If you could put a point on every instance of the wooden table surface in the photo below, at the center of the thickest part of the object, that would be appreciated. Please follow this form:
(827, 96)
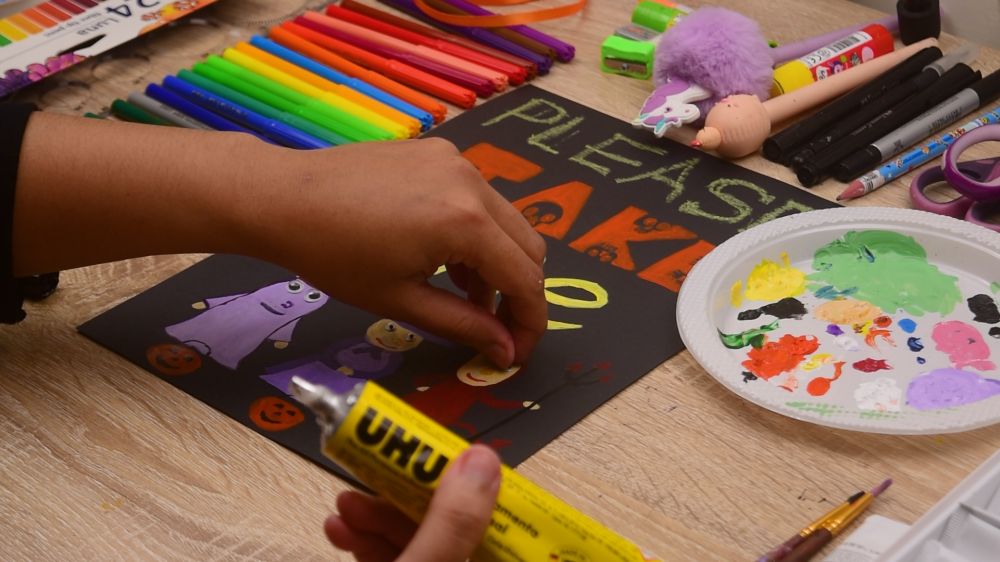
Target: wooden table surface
(100, 460)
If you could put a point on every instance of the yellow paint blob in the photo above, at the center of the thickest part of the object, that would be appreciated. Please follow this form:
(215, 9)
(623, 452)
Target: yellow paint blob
(816, 360)
(770, 281)
(847, 311)
(736, 294)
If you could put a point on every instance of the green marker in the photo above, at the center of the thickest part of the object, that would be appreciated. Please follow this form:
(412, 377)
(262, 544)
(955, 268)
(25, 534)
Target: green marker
(353, 127)
(129, 112)
(91, 115)
(4, 41)
(658, 17)
(220, 70)
(252, 104)
(627, 57)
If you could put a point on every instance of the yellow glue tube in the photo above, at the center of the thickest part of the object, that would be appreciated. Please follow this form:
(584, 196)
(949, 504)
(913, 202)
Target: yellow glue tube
(400, 453)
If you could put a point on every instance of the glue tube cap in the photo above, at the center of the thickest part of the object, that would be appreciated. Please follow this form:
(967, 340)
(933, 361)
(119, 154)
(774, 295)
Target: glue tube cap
(918, 19)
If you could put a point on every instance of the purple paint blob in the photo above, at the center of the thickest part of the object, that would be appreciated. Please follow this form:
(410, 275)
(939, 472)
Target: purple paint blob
(834, 330)
(947, 388)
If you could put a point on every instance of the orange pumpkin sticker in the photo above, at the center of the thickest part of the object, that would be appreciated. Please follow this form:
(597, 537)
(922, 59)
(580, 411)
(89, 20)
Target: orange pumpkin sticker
(271, 413)
(173, 359)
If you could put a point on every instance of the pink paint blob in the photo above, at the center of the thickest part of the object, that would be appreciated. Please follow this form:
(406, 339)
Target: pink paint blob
(963, 344)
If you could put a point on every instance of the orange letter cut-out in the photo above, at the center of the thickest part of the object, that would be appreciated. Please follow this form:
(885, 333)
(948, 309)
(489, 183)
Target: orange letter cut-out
(553, 211)
(609, 240)
(495, 162)
(671, 270)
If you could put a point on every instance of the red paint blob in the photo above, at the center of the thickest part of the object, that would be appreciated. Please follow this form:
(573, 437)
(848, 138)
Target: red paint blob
(774, 358)
(883, 321)
(872, 365)
(821, 385)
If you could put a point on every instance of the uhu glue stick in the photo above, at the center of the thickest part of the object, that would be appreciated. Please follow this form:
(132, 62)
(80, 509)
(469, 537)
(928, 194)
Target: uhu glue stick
(400, 453)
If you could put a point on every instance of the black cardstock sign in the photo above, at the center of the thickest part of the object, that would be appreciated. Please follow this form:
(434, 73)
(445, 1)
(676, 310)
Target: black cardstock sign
(625, 216)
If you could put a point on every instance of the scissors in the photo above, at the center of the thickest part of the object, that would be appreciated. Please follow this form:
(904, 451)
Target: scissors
(977, 181)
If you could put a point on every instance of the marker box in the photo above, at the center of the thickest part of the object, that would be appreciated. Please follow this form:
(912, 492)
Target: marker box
(627, 57)
(43, 37)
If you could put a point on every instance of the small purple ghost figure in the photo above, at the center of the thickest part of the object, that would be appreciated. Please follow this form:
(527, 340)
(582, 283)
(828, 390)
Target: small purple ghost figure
(947, 388)
(345, 363)
(231, 327)
(669, 106)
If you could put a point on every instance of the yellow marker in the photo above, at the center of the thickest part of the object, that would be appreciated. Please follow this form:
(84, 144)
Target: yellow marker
(329, 98)
(400, 453)
(11, 31)
(349, 94)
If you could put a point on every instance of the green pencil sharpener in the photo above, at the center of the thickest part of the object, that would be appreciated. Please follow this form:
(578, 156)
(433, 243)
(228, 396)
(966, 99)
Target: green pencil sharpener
(627, 57)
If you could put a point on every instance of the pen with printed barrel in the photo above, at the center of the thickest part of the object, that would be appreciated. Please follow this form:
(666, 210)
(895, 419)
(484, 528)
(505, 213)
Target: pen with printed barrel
(818, 167)
(217, 122)
(425, 119)
(165, 112)
(784, 548)
(318, 112)
(373, 111)
(331, 104)
(339, 18)
(481, 86)
(914, 158)
(249, 102)
(933, 120)
(310, 43)
(778, 147)
(930, 74)
(285, 134)
(377, 20)
(542, 64)
(458, 95)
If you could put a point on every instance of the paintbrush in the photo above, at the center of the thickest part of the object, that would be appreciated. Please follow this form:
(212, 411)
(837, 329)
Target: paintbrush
(778, 552)
(833, 526)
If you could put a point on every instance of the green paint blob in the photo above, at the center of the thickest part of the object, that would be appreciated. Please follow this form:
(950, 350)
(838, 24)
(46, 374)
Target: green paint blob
(821, 409)
(889, 270)
(995, 287)
(753, 336)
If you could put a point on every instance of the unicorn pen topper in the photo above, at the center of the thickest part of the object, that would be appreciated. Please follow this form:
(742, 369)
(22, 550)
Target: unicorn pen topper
(739, 124)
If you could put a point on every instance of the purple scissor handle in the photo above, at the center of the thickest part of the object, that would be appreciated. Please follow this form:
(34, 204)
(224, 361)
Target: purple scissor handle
(984, 172)
(980, 182)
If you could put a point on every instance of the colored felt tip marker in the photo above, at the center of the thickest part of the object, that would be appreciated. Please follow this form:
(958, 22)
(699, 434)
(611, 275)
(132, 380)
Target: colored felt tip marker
(165, 112)
(194, 111)
(460, 96)
(283, 134)
(309, 43)
(425, 119)
(130, 112)
(254, 104)
(372, 110)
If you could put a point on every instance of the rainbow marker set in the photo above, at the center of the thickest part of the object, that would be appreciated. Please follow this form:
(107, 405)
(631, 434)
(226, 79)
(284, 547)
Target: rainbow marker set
(352, 73)
(49, 36)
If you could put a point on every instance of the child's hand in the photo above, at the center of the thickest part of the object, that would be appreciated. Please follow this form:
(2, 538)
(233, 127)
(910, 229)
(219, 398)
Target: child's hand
(458, 516)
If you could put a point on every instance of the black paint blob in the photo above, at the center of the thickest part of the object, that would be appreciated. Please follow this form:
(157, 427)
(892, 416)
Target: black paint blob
(984, 308)
(785, 308)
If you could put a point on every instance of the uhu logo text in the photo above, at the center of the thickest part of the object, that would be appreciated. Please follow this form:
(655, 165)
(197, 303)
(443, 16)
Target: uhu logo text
(391, 441)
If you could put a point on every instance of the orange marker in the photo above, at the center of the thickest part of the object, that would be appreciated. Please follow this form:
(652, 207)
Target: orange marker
(296, 38)
(342, 19)
(462, 97)
(24, 23)
(39, 17)
(322, 83)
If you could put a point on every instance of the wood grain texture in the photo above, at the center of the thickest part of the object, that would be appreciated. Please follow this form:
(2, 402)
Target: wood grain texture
(102, 461)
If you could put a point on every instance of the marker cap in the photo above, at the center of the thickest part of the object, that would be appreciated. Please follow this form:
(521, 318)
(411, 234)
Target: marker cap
(918, 19)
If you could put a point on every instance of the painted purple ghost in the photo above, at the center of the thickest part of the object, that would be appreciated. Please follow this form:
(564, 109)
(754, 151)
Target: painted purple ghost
(947, 388)
(347, 362)
(231, 327)
(668, 106)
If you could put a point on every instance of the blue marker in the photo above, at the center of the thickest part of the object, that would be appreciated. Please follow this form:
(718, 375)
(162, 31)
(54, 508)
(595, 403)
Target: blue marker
(252, 104)
(425, 118)
(288, 136)
(195, 112)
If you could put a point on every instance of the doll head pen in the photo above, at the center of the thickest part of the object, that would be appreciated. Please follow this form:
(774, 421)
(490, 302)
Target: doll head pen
(739, 124)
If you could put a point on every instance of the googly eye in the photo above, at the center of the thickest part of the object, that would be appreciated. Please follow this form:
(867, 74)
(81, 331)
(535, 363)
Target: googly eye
(313, 296)
(294, 286)
(390, 327)
(411, 337)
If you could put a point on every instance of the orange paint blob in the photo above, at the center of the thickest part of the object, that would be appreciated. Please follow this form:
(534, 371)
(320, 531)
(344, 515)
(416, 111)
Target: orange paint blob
(784, 355)
(821, 385)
